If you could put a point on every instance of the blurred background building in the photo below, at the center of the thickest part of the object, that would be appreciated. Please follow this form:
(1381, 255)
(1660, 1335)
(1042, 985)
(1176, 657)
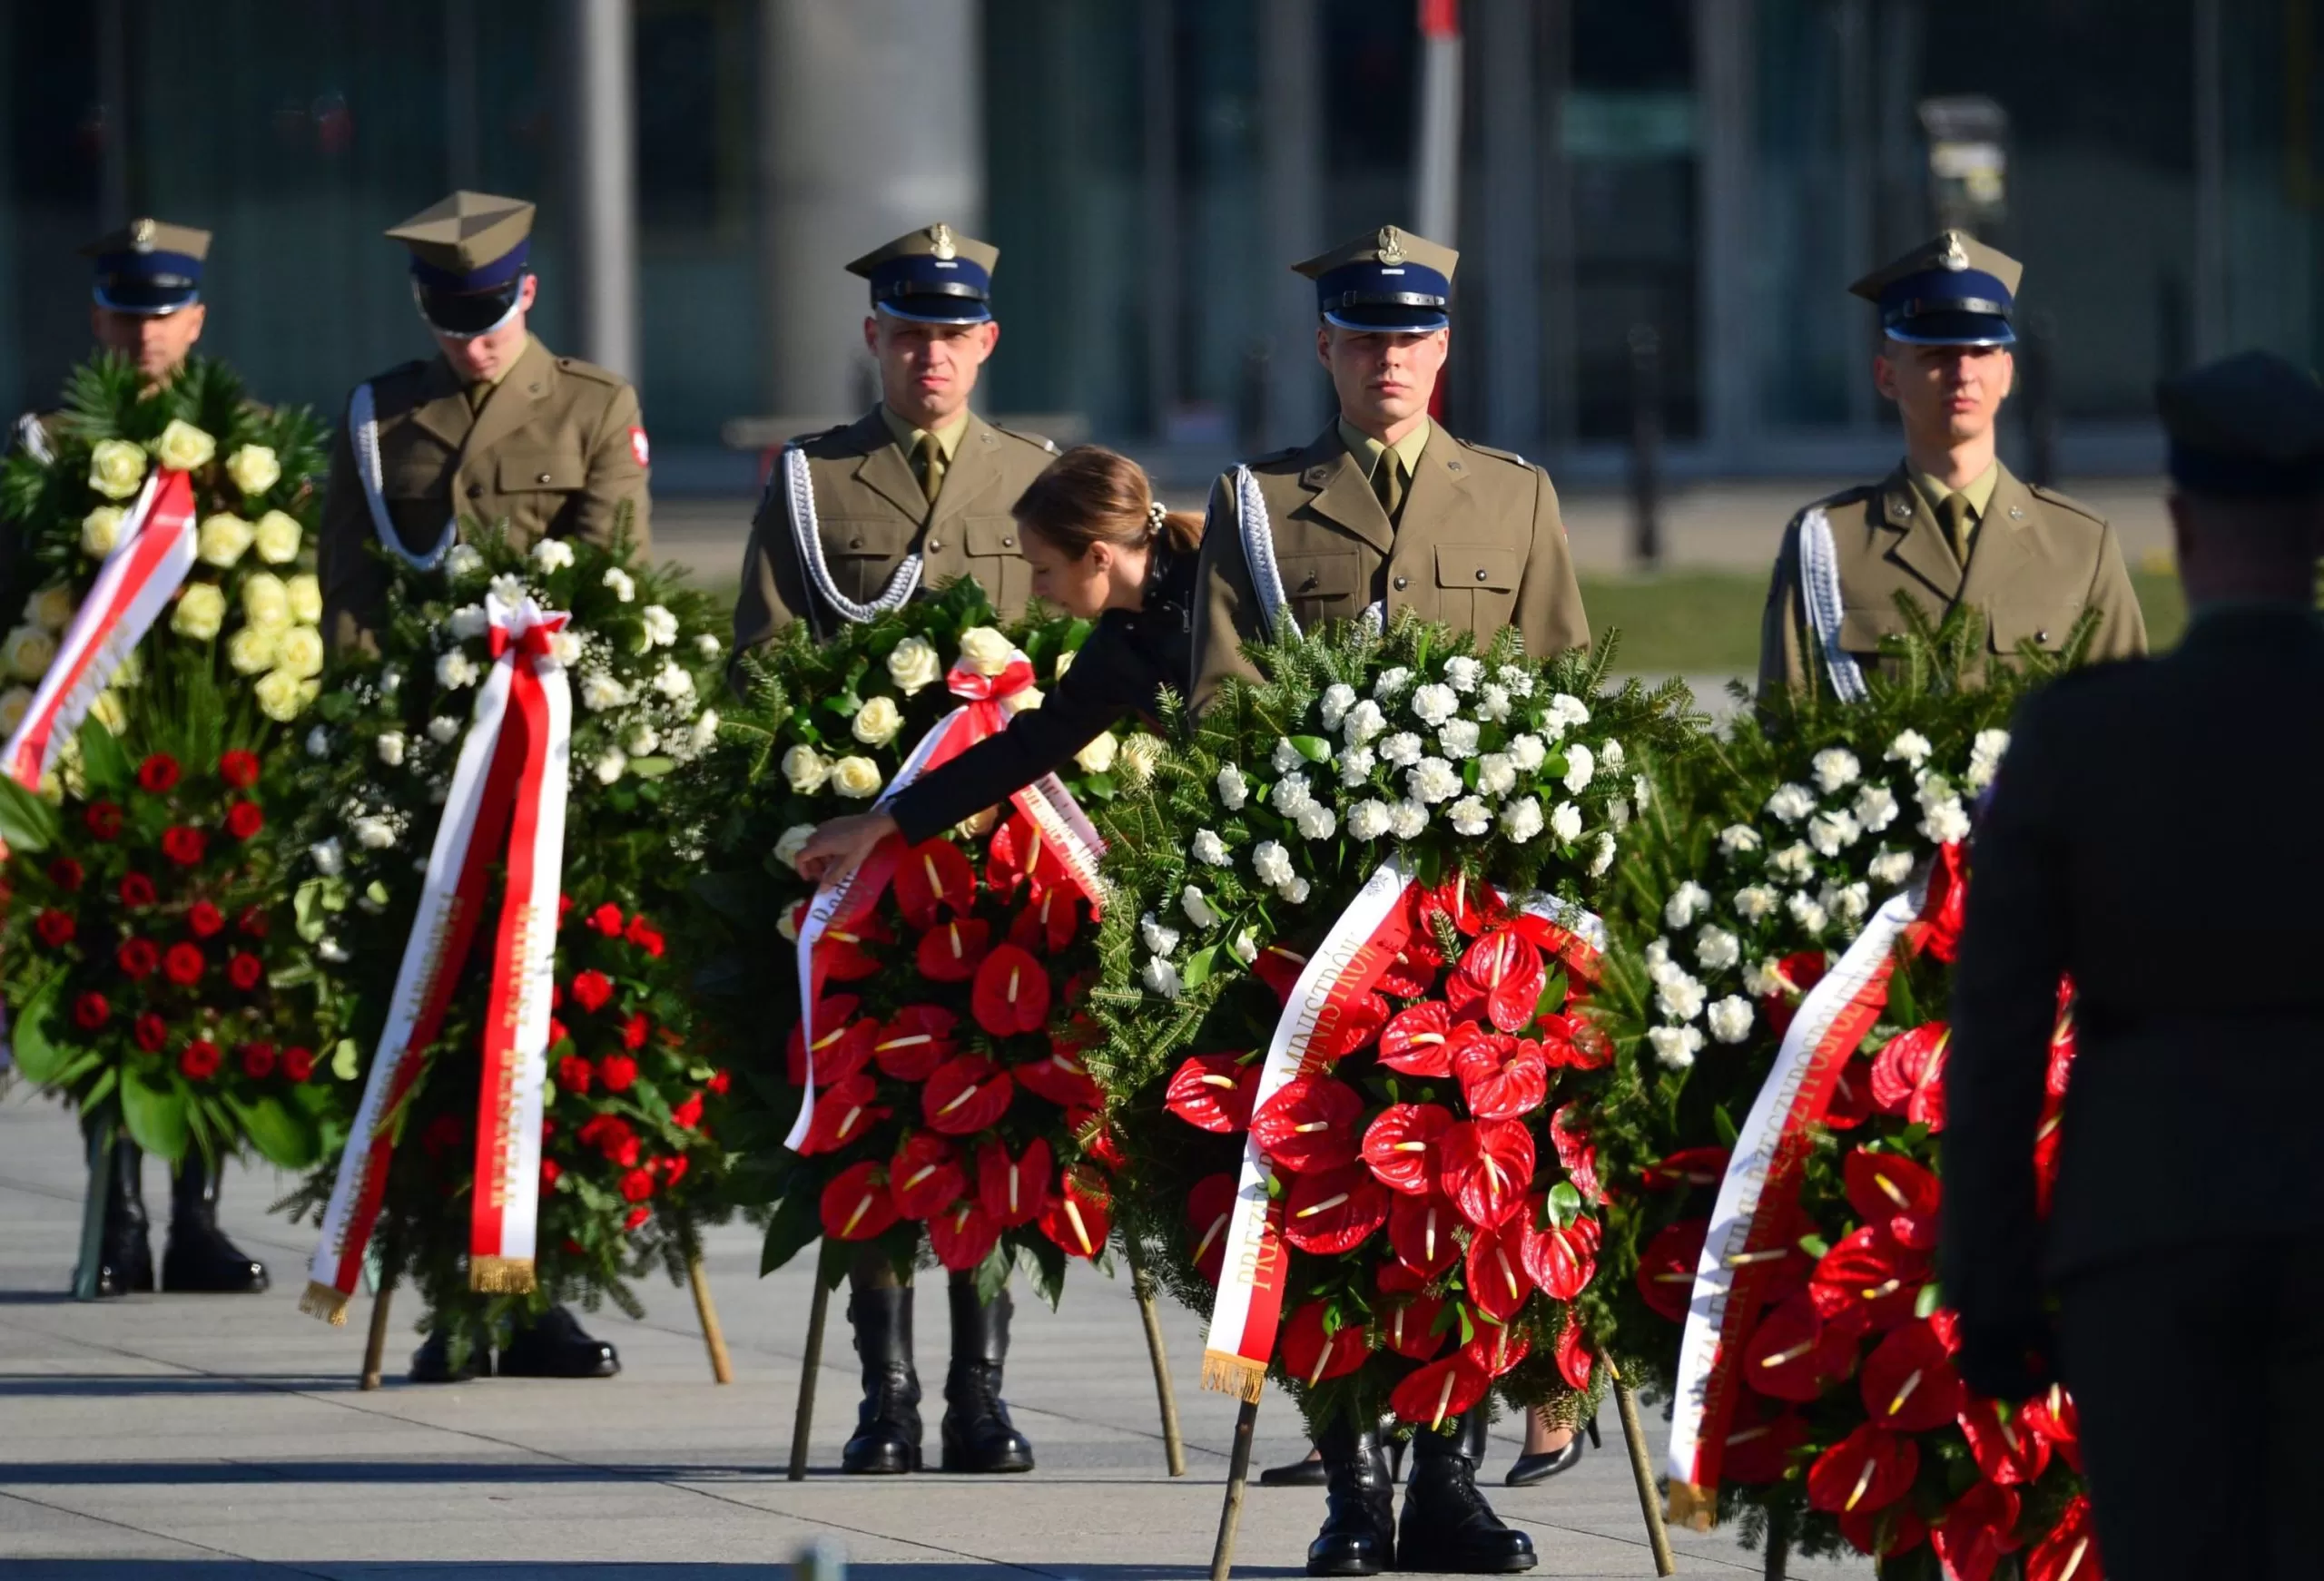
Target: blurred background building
(1696, 180)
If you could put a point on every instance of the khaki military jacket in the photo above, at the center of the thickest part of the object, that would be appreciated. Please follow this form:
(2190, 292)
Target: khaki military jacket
(2037, 562)
(870, 513)
(1479, 546)
(557, 450)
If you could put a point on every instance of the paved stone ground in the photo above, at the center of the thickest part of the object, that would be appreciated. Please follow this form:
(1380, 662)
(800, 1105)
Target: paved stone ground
(186, 1438)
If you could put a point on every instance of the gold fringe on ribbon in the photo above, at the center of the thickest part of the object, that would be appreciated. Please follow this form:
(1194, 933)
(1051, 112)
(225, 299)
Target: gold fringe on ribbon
(501, 1275)
(324, 1302)
(1692, 1506)
(1224, 1372)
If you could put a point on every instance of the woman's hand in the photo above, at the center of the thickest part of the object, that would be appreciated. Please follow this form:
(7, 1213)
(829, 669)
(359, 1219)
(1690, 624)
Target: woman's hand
(840, 841)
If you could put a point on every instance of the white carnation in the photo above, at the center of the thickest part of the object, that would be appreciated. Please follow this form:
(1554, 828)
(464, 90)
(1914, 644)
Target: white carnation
(1806, 911)
(1197, 908)
(600, 692)
(661, 626)
(1469, 816)
(1291, 795)
(1407, 819)
(1836, 768)
(564, 648)
(1317, 821)
(1794, 862)
(389, 744)
(1688, 901)
(1338, 698)
(1521, 818)
(1493, 703)
(1519, 681)
(455, 669)
(1876, 808)
(1611, 756)
(1462, 672)
(1364, 723)
(1496, 773)
(1161, 976)
(463, 561)
(1458, 739)
(467, 623)
(1565, 822)
(1368, 819)
(1729, 1019)
(372, 833)
(1569, 710)
(1603, 858)
(625, 586)
(1404, 749)
(1233, 788)
(1675, 1046)
(1738, 837)
(327, 856)
(1529, 752)
(1754, 903)
(1210, 849)
(1716, 949)
(1272, 862)
(1159, 936)
(1890, 867)
(1910, 748)
(1792, 802)
(1833, 832)
(1391, 682)
(1848, 902)
(1433, 704)
(673, 683)
(1432, 779)
(1286, 757)
(1296, 891)
(553, 555)
(1985, 757)
(1946, 822)
(611, 765)
(1356, 764)
(707, 645)
(1764, 979)
(1580, 765)
(1679, 997)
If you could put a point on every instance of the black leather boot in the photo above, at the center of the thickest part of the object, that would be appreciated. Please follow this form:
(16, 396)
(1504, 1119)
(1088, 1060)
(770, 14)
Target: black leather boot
(887, 1424)
(977, 1434)
(200, 1261)
(1359, 1533)
(555, 1346)
(124, 1252)
(1448, 1527)
(432, 1363)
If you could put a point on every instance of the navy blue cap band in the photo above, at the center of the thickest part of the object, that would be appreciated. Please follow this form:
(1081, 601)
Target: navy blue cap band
(2212, 472)
(509, 266)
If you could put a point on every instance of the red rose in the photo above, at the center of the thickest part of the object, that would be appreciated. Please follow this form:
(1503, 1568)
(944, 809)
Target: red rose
(90, 1012)
(634, 1031)
(56, 928)
(674, 1170)
(637, 1216)
(158, 774)
(200, 1060)
(239, 769)
(619, 1072)
(549, 1172)
(137, 957)
(257, 1060)
(556, 1032)
(638, 1185)
(252, 921)
(245, 970)
(245, 819)
(297, 1064)
(641, 933)
(574, 1075)
(606, 919)
(182, 964)
(688, 1114)
(183, 845)
(204, 919)
(136, 890)
(104, 819)
(152, 1032)
(593, 988)
(64, 873)
(719, 1082)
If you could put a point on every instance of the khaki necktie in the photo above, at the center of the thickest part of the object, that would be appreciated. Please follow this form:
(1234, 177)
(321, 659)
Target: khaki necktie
(1388, 482)
(478, 393)
(1960, 524)
(928, 465)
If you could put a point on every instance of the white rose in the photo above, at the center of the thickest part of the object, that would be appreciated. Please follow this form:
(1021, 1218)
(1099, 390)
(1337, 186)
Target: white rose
(1754, 903)
(1876, 808)
(1432, 779)
(787, 925)
(1458, 739)
(1209, 850)
(117, 468)
(1675, 1046)
(1737, 839)
(661, 626)
(1529, 753)
(986, 651)
(1272, 863)
(1470, 817)
(1462, 672)
(1946, 823)
(1522, 819)
(1716, 949)
(1023, 698)
(876, 721)
(1338, 698)
(1161, 976)
(254, 469)
(300, 653)
(200, 611)
(1580, 765)
(183, 447)
(805, 768)
(1688, 901)
(101, 530)
(1729, 1019)
(1565, 822)
(1368, 819)
(1891, 867)
(306, 597)
(1197, 908)
(14, 703)
(282, 694)
(1836, 768)
(1604, 858)
(250, 651)
(1433, 704)
(599, 691)
(1365, 722)
(277, 536)
(223, 539)
(1792, 802)
(389, 744)
(1098, 754)
(1233, 788)
(611, 765)
(443, 730)
(266, 601)
(625, 586)
(51, 608)
(791, 842)
(1403, 748)
(1833, 832)
(1317, 821)
(1140, 755)
(1407, 819)
(1159, 936)
(553, 555)
(327, 856)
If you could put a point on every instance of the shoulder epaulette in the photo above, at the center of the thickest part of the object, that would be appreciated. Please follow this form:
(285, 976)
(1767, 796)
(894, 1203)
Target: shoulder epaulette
(1511, 456)
(1038, 441)
(2049, 496)
(590, 372)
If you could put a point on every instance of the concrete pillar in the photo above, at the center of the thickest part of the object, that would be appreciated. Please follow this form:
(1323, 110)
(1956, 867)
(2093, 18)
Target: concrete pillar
(1508, 223)
(870, 125)
(2211, 318)
(1558, 334)
(600, 91)
(1291, 105)
(1725, 59)
(1158, 161)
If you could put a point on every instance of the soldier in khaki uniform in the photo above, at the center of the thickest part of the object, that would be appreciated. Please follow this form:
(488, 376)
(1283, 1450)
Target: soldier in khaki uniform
(917, 491)
(1951, 525)
(495, 427)
(1383, 510)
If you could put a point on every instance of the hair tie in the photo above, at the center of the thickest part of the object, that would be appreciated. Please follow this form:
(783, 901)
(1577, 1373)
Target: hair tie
(1154, 517)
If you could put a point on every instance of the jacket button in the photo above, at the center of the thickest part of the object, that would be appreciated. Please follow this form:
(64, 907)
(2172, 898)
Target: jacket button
(1480, 573)
(1309, 583)
(1402, 582)
(1008, 542)
(542, 478)
(855, 543)
(2041, 636)
(476, 491)
(933, 546)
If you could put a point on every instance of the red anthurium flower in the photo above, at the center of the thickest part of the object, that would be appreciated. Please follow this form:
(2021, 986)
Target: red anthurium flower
(1050, 920)
(1974, 1531)
(1420, 1231)
(967, 1093)
(2070, 1552)
(1871, 1468)
(1793, 1355)
(1666, 1273)
(1018, 853)
(1508, 966)
(1470, 907)
(1884, 1188)
(1414, 970)
(1364, 1016)
(2062, 1051)
(1908, 1074)
(1410, 1327)
(1576, 1042)
(842, 1115)
(1328, 1212)
(1497, 1347)
(963, 1235)
(1060, 1078)
(1560, 1261)
(2045, 1155)
(1013, 1191)
(1488, 1169)
(1497, 1282)
(931, 878)
(1852, 1102)
(1402, 1147)
(1011, 993)
(2053, 1416)
(1690, 1167)
(1210, 1207)
(1080, 1215)
(2006, 1449)
(842, 1044)
(926, 1176)
(1575, 1355)
(1310, 1124)
(1088, 1127)
(1577, 1154)
(1795, 973)
(1213, 1092)
(916, 1042)
(1440, 1389)
(1871, 1269)
(1760, 1437)
(1908, 1382)
(952, 951)
(1414, 1041)
(1311, 1355)
(1898, 1529)
(1503, 1078)
(1280, 970)
(846, 955)
(856, 1202)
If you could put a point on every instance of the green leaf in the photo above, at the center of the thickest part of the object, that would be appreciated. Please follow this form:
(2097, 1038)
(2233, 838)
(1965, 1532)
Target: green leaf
(1932, 1297)
(104, 765)
(1314, 749)
(346, 1060)
(1048, 1267)
(1564, 1204)
(155, 1116)
(38, 1054)
(283, 1135)
(992, 1274)
(796, 1224)
(1724, 1123)
(1814, 1245)
(1200, 966)
(652, 768)
(26, 822)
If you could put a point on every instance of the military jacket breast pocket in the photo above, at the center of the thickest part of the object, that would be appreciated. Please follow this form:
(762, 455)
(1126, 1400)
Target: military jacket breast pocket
(2046, 628)
(1864, 626)
(863, 552)
(535, 486)
(991, 543)
(1476, 586)
(1323, 586)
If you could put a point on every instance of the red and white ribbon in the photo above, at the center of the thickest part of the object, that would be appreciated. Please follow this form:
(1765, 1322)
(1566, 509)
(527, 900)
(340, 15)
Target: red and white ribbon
(848, 896)
(149, 560)
(511, 779)
(1755, 1220)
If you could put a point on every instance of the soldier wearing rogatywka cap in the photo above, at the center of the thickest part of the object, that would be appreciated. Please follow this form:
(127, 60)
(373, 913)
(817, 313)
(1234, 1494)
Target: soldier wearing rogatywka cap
(1383, 510)
(859, 518)
(1951, 525)
(495, 427)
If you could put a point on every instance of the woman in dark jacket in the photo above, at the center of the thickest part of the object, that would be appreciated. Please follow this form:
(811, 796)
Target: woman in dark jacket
(1102, 548)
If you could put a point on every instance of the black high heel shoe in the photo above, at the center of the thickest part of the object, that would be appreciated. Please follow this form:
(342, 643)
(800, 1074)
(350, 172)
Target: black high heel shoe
(1530, 1470)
